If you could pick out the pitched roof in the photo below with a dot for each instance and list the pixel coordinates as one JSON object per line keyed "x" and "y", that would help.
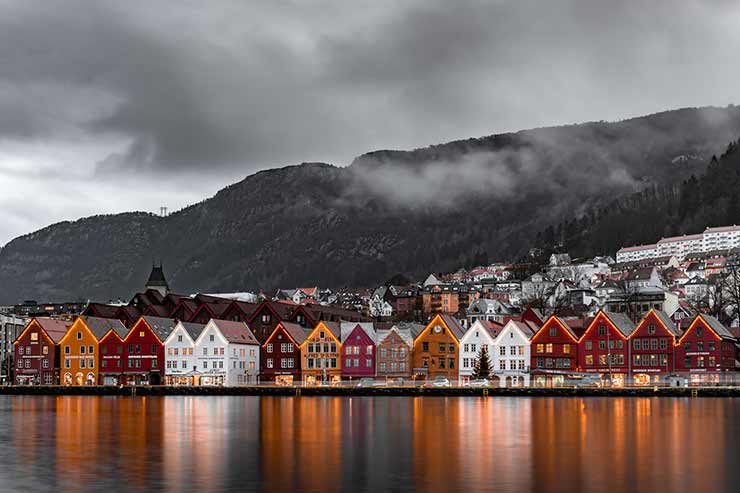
{"x": 346, "y": 329}
{"x": 528, "y": 328}
{"x": 235, "y": 332}
{"x": 717, "y": 326}
{"x": 636, "y": 248}
{"x": 621, "y": 322}
{"x": 213, "y": 309}
{"x": 156, "y": 277}
{"x": 451, "y": 322}
{"x": 101, "y": 309}
{"x": 296, "y": 332}
{"x": 406, "y": 331}
{"x": 157, "y": 311}
{"x": 101, "y": 326}
{"x": 55, "y": 329}
{"x": 333, "y": 327}
{"x": 192, "y": 329}
{"x": 666, "y": 320}
{"x": 162, "y": 327}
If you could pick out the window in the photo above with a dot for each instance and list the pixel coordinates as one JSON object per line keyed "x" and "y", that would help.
{"x": 368, "y": 350}
{"x": 383, "y": 352}
{"x": 602, "y": 359}
{"x": 184, "y": 364}
{"x": 82, "y": 349}
{"x": 44, "y": 363}
{"x": 441, "y": 362}
{"x": 699, "y": 346}
{"x": 442, "y": 347}
{"x": 265, "y": 318}
{"x": 472, "y": 348}
{"x": 589, "y": 359}
{"x": 21, "y": 349}
{"x": 687, "y": 346}
{"x": 712, "y": 361}
{"x": 104, "y": 363}
{"x": 154, "y": 363}
{"x": 79, "y": 335}
{"x": 651, "y": 329}
{"x": 548, "y": 348}
{"x": 620, "y": 344}
{"x": 425, "y": 347}
{"x": 653, "y": 344}
{"x": 700, "y": 332}
{"x": 310, "y": 347}
{"x": 179, "y": 338}
{"x": 205, "y": 364}
{"x": 309, "y": 362}
{"x": 67, "y": 363}
{"x": 450, "y": 348}
{"x": 466, "y": 348}
{"x": 382, "y": 366}
{"x": 502, "y": 364}
{"x": 687, "y": 361}
{"x": 66, "y": 350}
{"x": 602, "y": 330}
{"x": 368, "y": 363}
{"x": 34, "y": 336}
{"x": 540, "y": 362}
{"x": 402, "y": 366}
{"x": 141, "y": 334}
{"x": 82, "y": 363}
{"x": 321, "y": 334}
{"x": 566, "y": 348}
{"x": 91, "y": 363}
{"x": 700, "y": 361}
{"x": 645, "y": 344}
{"x": 502, "y": 350}
{"x": 211, "y": 338}
{"x": 553, "y": 331}
{"x": 663, "y": 343}
{"x": 512, "y": 350}
{"x": 90, "y": 349}
{"x": 45, "y": 350}
{"x": 602, "y": 344}
{"x": 711, "y": 346}
{"x": 205, "y": 351}
{"x": 540, "y": 348}
{"x": 636, "y": 344}
{"x": 269, "y": 362}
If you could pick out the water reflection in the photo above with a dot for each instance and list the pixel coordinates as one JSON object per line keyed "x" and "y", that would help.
{"x": 368, "y": 444}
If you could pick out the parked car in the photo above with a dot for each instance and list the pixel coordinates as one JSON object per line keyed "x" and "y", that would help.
{"x": 438, "y": 382}
{"x": 483, "y": 382}
{"x": 366, "y": 382}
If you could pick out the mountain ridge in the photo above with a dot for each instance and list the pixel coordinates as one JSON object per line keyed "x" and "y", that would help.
{"x": 389, "y": 211}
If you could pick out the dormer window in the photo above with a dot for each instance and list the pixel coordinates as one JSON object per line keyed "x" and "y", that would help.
{"x": 79, "y": 335}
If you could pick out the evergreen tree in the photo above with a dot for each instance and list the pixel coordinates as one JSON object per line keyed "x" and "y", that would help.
{"x": 482, "y": 367}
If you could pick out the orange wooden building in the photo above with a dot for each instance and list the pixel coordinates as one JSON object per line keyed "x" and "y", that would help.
{"x": 321, "y": 355}
{"x": 436, "y": 349}
{"x": 79, "y": 349}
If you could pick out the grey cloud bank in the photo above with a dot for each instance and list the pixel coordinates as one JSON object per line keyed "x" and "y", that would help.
{"x": 111, "y": 106}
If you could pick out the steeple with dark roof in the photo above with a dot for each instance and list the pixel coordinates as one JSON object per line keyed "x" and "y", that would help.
{"x": 157, "y": 281}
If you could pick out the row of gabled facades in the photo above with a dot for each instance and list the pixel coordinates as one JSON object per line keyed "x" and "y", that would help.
{"x": 529, "y": 350}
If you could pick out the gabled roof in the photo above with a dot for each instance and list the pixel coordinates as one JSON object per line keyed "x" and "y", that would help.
{"x": 332, "y": 327}
{"x": 431, "y": 280}
{"x": 192, "y": 329}
{"x": 528, "y": 328}
{"x": 245, "y": 307}
{"x": 621, "y": 321}
{"x": 157, "y": 311}
{"x": 55, "y": 329}
{"x": 667, "y": 322}
{"x": 187, "y": 303}
{"x": 162, "y": 327}
{"x": 295, "y": 331}
{"x": 451, "y": 322}
{"x": 717, "y": 326}
{"x": 406, "y": 331}
{"x": 156, "y": 277}
{"x": 101, "y": 310}
{"x": 101, "y": 326}
{"x": 281, "y": 310}
{"x": 562, "y": 323}
{"x": 346, "y": 329}
{"x": 130, "y": 311}
{"x": 235, "y": 332}
{"x": 215, "y": 310}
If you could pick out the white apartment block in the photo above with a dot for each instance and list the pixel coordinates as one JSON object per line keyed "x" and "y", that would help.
{"x": 715, "y": 238}
{"x": 639, "y": 252}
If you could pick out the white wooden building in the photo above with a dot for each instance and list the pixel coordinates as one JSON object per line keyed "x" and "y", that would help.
{"x": 481, "y": 333}
{"x": 227, "y": 353}
{"x": 511, "y": 354}
{"x": 180, "y": 364}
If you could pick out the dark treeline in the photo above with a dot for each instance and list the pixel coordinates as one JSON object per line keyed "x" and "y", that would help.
{"x": 711, "y": 199}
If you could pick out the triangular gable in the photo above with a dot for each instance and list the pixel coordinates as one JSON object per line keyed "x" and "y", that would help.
{"x": 603, "y": 315}
{"x": 560, "y": 323}
{"x": 211, "y": 326}
{"x": 479, "y": 326}
{"x": 717, "y": 331}
{"x": 54, "y": 330}
{"x": 328, "y": 327}
{"x": 663, "y": 320}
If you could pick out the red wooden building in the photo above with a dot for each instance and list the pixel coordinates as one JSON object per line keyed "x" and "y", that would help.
{"x": 266, "y": 317}
{"x": 358, "y": 350}
{"x": 37, "y": 351}
{"x": 652, "y": 348}
{"x": 554, "y": 353}
{"x": 281, "y": 354}
{"x": 208, "y": 311}
{"x": 143, "y": 351}
{"x": 110, "y": 356}
{"x": 706, "y": 353}
{"x": 604, "y": 350}
{"x": 239, "y": 311}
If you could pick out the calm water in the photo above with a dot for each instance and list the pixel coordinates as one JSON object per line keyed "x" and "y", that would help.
{"x": 369, "y": 444}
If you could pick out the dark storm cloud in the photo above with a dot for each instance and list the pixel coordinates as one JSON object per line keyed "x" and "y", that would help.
{"x": 221, "y": 89}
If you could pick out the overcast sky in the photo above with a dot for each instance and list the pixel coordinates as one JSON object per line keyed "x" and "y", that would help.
{"x": 109, "y": 106}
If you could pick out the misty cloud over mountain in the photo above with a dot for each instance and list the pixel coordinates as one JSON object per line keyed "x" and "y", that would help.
{"x": 110, "y": 106}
